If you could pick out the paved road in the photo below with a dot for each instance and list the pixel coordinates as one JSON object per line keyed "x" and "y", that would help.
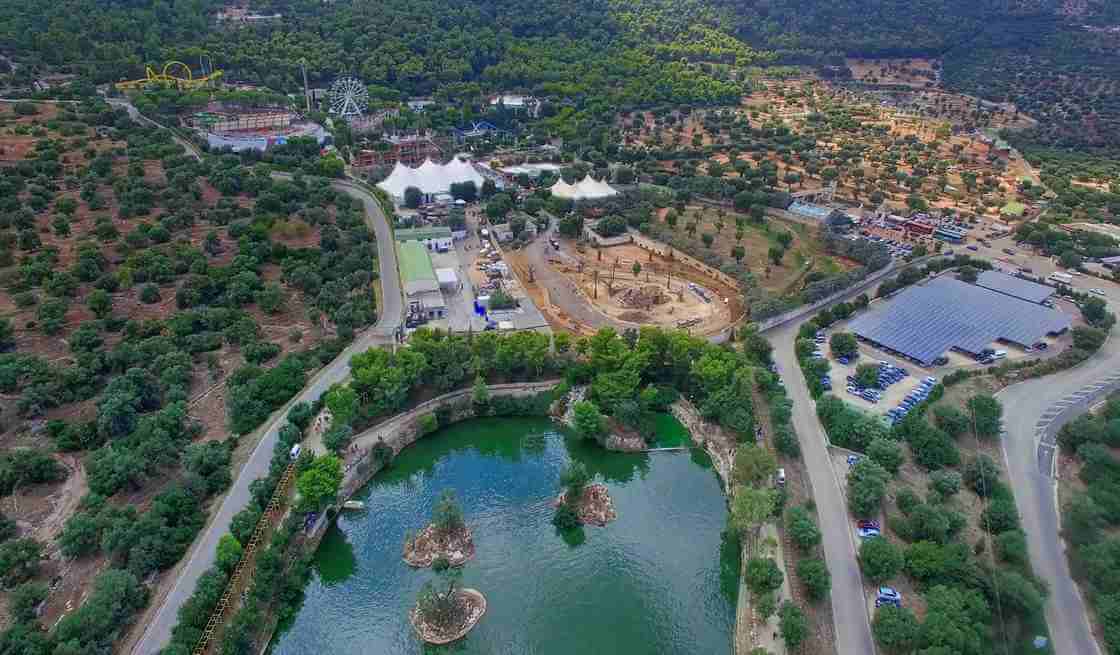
{"x": 849, "y": 604}
{"x": 202, "y": 554}
{"x": 1033, "y": 413}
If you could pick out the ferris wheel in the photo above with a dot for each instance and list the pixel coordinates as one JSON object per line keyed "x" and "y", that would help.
{"x": 348, "y": 97}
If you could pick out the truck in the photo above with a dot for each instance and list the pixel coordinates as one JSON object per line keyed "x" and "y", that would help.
{"x": 1059, "y": 278}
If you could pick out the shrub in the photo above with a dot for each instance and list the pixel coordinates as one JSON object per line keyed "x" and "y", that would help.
{"x": 802, "y": 529}
{"x": 793, "y": 625}
{"x": 981, "y": 474}
{"x": 880, "y": 559}
{"x": 1000, "y": 516}
{"x": 950, "y": 419}
{"x": 895, "y": 628}
{"x": 1012, "y": 547}
{"x": 945, "y": 483}
{"x": 149, "y": 294}
{"x": 886, "y": 453}
{"x": 814, "y": 575}
{"x": 867, "y": 484}
{"x": 986, "y": 414}
{"x": 763, "y": 575}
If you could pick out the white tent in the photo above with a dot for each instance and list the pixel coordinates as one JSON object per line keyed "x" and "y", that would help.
{"x": 430, "y": 178}
{"x": 585, "y": 189}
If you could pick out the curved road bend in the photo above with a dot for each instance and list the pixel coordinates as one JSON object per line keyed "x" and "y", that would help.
{"x": 202, "y": 553}
{"x": 1033, "y": 412}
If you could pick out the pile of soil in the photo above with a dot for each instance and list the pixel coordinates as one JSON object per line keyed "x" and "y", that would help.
{"x": 644, "y": 297}
{"x": 472, "y": 604}
{"x": 634, "y": 317}
{"x": 456, "y": 547}
{"x": 595, "y": 507}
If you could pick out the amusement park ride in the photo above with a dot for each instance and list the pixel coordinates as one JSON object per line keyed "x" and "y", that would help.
{"x": 174, "y": 74}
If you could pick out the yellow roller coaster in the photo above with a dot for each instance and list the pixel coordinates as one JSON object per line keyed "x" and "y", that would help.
{"x": 174, "y": 73}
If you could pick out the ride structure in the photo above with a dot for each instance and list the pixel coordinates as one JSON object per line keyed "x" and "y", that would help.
{"x": 173, "y": 74}
{"x": 348, "y": 98}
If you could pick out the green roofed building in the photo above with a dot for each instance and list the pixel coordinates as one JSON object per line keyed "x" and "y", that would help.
{"x": 437, "y": 237}
{"x": 419, "y": 278}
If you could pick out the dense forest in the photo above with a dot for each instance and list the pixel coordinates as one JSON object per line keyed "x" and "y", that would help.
{"x": 595, "y": 54}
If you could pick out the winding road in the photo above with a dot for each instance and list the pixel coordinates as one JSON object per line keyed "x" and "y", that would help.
{"x": 390, "y": 315}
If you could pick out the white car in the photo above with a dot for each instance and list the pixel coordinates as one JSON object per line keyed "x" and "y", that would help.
{"x": 1099, "y": 292}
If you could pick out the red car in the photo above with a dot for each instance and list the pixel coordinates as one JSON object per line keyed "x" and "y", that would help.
{"x": 868, "y": 524}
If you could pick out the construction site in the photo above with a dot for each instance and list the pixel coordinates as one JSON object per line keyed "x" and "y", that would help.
{"x": 580, "y": 289}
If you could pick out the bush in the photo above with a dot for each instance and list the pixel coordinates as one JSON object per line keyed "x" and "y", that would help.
{"x": 565, "y": 517}
{"x": 149, "y": 294}
{"x": 802, "y": 529}
{"x": 880, "y": 559}
{"x": 886, "y": 453}
{"x": 945, "y": 483}
{"x": 867, "y": 484}
{"x": 19, "y": 560}
{"x": 986, "y": 414}
{"x": 981, "y": 475}
{"x": 843, "y": 344}
{"x": 793, "y": 625}
{"x": 895, "y": 629}
{"x": 763, "y": 575}
{"x": 933, "y": 449}
{"x": 1000, "y": 516}
{"x": 813, "y": 573}
{"x": 1012, "y": 547}
{"x": 950, "y": 419}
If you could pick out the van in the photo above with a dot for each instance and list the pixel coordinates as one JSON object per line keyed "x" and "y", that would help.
{"x": 295, "y": 451}
{"x": 781, "y": 477}
{"x": 999, "y": 354}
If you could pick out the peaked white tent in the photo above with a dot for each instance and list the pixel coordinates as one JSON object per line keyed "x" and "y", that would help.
{"x": 585, "y": 189}
{"x": 430, "y": 178}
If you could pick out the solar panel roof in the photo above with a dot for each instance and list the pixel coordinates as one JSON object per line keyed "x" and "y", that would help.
{"x": 1014, "y": 286}
{"x": 926, "y": 320}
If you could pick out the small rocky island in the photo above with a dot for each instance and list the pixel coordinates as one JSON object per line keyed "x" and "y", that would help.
{"x": 441, "y": 617}
{"x": 446, "y": 541}
{"x": 581, "y": 503}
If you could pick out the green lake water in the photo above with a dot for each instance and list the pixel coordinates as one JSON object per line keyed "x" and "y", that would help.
{"x": 660, "y": 579}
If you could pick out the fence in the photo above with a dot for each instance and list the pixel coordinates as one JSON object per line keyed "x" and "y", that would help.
{"x": 226, "y": 602}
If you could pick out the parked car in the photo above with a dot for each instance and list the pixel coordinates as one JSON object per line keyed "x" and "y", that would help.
{"x": 1099, "y": 292}
{"x": 1009, "y": 251}
{"x": 868, "y": 523}
{"x": 973, "y": 247}
{"x": 853, "y": 460}
{"x": 889, "y": 593}
{"x": 867, "y": 533}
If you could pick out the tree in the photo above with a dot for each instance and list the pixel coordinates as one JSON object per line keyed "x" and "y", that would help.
{"x": 587, "y": 420}
{"x": 19, "y": 560}
{"x": 802, "y": 529}
{"x": 149, "y": 294}
{"x": 956, "y": 621}
{"x": 100, "y": 303}
{"x": 867, "y": 375}
{"x": 1087, "y": 338}
{"x": 318, "y": 483}
{"x": 880, "y": 559}
{"x": 763, "y": 575}
{"x": 792, "y": 623}
{"x": 412, "y": 197}
{"x": 636, "y": 268}
{"x": 708, "y": 239}
{"x": 1000, "y": 515}
{"x": 981, "y": 474}
{"x": 749, "y": 509}
{"x": 338, "y": 437}
{"x": 844, "y": 344}
{"x": 753, "y": 465}
{"x": 986, "y": 414}
{"x": 814, "y": 574}
{"x": 968, "y": 274}
{"x": 776, "y": 253}
{"x": 895, "y": 629}
{"x": 447, "y": 515}
{"x": 342, "y": 401}
{"x": 950, "y": 419}
{"x": 887, "y": 453}
{"x": 26, "y": 598}
{"x": 867, "y": 484}
{"x": 738, "y": 252}
{"x": 228, "y": 553}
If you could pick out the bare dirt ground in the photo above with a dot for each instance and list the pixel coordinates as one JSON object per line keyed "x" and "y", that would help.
{"x": 658, "y": 295}
{"x": 917, "y": 73}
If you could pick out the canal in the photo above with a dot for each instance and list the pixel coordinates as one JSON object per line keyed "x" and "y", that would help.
{"x": 661, "y": 578}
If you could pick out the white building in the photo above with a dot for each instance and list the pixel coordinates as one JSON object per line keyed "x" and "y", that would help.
{"x": 586, "y": 189}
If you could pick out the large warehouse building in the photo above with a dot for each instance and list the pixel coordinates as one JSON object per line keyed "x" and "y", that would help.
{"x": 1015, "y": 287}
{"x": 927, "y": 320}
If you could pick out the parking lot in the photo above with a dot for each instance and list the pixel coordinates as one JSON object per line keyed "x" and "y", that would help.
{"x": 899, "y": 384}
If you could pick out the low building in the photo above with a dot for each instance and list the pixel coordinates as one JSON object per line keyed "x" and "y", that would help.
{"x": 421, "y": 286}
{"x": 448, "y": 280}
{"x": 437, "y": 237}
